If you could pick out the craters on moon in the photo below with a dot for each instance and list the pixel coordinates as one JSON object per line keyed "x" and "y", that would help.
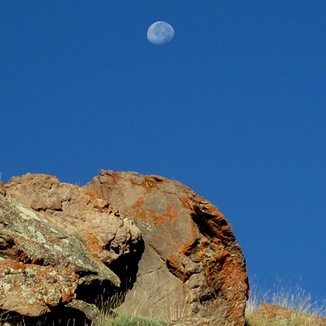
{"x": 160, "y": 33}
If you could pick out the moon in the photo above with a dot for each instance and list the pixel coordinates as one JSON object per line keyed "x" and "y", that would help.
{"x": 160, "y": 32}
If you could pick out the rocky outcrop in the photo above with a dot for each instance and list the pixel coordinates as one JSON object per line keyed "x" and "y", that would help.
{"x": 41, "y": 265}
{"x": 56, "y": 241}
{"x": 106, "y": 233}
{"x": 170, "y": 249}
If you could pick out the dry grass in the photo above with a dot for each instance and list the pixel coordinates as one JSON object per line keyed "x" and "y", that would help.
{"x": 113, "y": 315}
{"x": 286, "y": 307}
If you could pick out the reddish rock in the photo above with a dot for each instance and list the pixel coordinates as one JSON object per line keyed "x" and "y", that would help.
{"x": 31, "y": 290}
{"x": 191, "y": 269}
{"x": 192, "y": 263}
{"x": 41, "y": 265}
{"x": 54, "y": 239}
{"x": 2, "y": 189}
{"x": 30, "y": 238}
{"x": 107, "y": 234}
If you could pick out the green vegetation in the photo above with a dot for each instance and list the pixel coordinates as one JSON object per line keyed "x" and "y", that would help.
{"x": 107, "y": 320}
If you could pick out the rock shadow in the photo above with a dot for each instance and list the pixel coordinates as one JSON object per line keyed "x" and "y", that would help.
{"x": 59, "y": 316}
{"x": 105, "y": 295}
{"x": 102, "y": 295}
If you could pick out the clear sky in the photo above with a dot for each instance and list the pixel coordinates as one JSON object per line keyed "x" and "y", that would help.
{"x": 234, "y": 107}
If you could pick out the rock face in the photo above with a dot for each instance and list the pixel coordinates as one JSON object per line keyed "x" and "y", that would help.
{"x": 105, "y": 232}
{"x": 192, "y": 264}
{"x": 41, "y": 264}
{"x": 56, "y": 241}
{"x": 169, "y": 248}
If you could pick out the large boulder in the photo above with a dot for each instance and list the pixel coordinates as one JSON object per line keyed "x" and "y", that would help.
{"x": 192, "y": 264}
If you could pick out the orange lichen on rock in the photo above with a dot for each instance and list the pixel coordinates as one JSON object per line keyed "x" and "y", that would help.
{"x": 139, "y": 204}
{"x": 192, "y": 239}
{"x": 149, "y": 183}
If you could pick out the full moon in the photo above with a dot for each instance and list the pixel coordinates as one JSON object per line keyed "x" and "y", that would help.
{"x": 160, "y": 32}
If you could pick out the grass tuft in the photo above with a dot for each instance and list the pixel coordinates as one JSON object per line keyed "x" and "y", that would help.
{"x": 285, "y": 306}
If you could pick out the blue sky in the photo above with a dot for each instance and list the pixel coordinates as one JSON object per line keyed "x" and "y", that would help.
{"x": 234, "y": 107}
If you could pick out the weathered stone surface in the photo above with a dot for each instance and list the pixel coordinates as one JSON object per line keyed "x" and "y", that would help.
{"x": 41, "y": 265}
{"x": 31, "y": 289}
{"x": 192, "y": 263}
{"x": 107, "y": 234}
{"x": 80, "y": 218}
{"x": 173, "y": 250}
{"x": 269, "y": 314}
{"x": 29, "y": 238}
{"x": 2, "y": 189}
